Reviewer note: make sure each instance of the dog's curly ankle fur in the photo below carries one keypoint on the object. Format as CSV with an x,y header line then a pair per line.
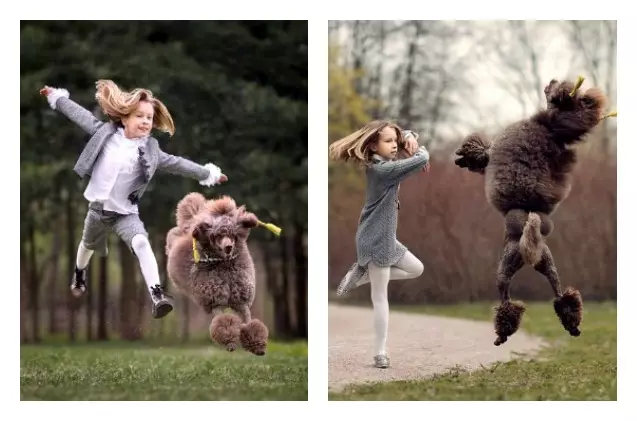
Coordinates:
x,y
507,320
568,308
252,337
225,329
224,276
527,170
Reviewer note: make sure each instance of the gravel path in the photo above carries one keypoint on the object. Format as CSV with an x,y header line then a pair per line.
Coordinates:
x,y
418,346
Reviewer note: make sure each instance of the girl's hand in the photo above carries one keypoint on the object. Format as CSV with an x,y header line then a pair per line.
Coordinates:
x,y
411,143
426,167
46,91
222,179
53,94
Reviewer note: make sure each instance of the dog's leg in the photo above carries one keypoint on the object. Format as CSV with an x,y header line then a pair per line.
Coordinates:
x,y
225,329
244,312
508,314
254,334
567,304
206,305
510,263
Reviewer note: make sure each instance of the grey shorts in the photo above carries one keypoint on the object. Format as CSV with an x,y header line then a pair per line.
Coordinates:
x,y
98,222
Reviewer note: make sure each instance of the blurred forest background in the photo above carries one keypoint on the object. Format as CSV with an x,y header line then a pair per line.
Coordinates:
x,y
444,79
238,94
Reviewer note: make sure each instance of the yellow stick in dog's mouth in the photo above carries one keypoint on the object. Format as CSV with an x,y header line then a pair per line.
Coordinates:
x,y
604,117
580,80
271,227
195,252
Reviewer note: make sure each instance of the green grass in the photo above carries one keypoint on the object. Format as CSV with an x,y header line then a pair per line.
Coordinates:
x,y
583,368
119,371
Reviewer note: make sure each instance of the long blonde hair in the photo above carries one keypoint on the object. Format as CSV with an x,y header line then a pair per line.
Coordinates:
x,y
356,146
117,104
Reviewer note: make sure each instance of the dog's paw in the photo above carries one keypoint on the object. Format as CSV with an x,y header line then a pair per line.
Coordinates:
x,y
254,337
225,330
558,95
248,220
569,309
500,340
507,320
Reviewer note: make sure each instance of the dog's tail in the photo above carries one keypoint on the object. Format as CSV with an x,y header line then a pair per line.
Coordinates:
x,y
474,153
187,208
531,240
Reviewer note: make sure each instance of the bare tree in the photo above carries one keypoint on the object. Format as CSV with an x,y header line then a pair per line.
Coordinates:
x,y
516,51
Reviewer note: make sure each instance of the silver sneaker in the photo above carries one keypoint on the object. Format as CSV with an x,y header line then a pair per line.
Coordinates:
x,y
381,361
363,280
350,280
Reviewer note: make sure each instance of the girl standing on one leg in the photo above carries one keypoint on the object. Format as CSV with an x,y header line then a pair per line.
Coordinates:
x,y
121,158
381,257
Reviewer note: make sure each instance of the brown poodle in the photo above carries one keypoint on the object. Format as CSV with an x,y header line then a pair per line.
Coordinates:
x,y
527,173
209,261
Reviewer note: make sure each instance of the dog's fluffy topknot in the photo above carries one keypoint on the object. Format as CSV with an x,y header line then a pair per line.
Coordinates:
x,y
221,206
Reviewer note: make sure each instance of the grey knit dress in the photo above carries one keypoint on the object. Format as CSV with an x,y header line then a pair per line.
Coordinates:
x,y
376,235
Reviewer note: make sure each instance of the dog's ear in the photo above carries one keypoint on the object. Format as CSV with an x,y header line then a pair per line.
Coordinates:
x,y
247,220
200,231
548,87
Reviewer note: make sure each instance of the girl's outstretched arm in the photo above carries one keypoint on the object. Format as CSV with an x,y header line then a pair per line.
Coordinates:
x,y
207,175
59,100
395,171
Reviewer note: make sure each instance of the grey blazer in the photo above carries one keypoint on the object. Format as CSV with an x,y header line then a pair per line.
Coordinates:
x,y
150,155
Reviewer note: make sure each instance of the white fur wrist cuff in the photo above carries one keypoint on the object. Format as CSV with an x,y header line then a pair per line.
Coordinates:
x,y
55,95
213,177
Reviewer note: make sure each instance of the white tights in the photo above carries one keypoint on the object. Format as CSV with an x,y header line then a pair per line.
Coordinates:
x,y
407,268
143,251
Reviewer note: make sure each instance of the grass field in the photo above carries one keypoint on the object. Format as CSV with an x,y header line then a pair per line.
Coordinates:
x,y
120,371
583,368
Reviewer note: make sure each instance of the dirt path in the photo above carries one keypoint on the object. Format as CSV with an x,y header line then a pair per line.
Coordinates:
x,y
418,346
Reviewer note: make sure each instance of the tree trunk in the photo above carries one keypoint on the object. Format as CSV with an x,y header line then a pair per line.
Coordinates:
x,y
71,251
377,110
54,326
89,302
278,290
163,273
300,259
102,333
185,319
358,52
284,252
611,70
24,278
406,110
34,285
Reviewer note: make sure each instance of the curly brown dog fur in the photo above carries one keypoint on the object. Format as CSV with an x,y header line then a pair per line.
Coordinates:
x,y
507,320
225,329
569,309
224,277
527,173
